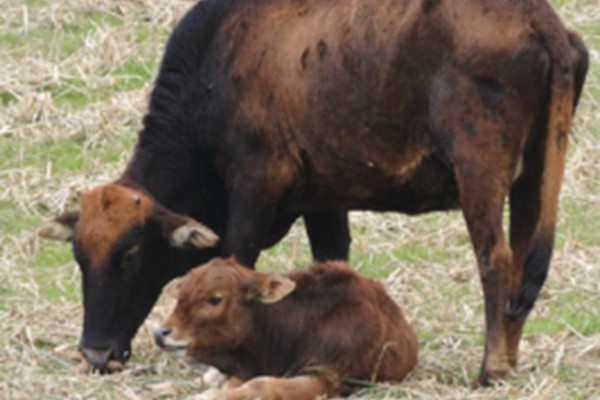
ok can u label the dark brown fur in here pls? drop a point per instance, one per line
(266, 110)
(335, 325)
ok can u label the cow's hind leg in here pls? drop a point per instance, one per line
(483, 113)
(329, 235)
(482, 199)
(308, 387)
(481, 133)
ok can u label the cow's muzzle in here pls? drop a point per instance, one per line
(105, 360)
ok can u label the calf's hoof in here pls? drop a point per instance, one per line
(212, 378)
(210, 394)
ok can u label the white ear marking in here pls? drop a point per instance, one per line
(54, 230)
(193, 234)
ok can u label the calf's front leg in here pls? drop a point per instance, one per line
(309, 387)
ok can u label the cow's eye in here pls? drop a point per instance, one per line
(130, 259)
(214, 300)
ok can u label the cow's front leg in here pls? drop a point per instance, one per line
(308, 387)
(329, 234)
(254, 200)
(249, 223)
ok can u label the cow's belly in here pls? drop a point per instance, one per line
(428, 186)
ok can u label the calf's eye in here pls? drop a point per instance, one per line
(214, 300)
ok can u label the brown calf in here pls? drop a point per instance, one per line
(298, 336)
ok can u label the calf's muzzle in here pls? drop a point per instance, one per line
(159, 335)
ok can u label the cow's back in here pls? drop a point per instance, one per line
(318, 84)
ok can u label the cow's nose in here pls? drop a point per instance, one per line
(97, 357)
(160, 333)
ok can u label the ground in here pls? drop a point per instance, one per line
(74, 81)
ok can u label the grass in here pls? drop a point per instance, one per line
(74, 81)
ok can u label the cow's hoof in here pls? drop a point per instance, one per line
(489, 379)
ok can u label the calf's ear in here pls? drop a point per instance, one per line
(270, 289)
(184, 232)
(61, 227)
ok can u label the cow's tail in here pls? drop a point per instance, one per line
(568, 67)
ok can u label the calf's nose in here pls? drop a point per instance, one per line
(160, 333)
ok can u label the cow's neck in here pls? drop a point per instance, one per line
(163, 170)
(175, 175)
(168, 156)
(171, 166)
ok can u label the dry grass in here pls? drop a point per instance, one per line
(74, 79)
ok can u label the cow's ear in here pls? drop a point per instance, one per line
(184, 232)
(270, 289)
(61, 227)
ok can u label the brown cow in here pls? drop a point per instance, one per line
(266, 110)
(290, 337)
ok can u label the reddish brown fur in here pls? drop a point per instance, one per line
(336, 325)
(106, 213)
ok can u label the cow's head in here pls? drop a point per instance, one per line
(124, 242)
(212, 311)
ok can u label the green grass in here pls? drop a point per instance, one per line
(581, 224)
(576, 310)
(54, 44)
(77, 93)
(58, 44)
(15, 220)
(7, 296)
(54, 264)
(65, 155)
(7, 98)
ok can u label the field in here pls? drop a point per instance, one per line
(74, 81)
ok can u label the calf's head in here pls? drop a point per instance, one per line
(124, 242)
(213, 307)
